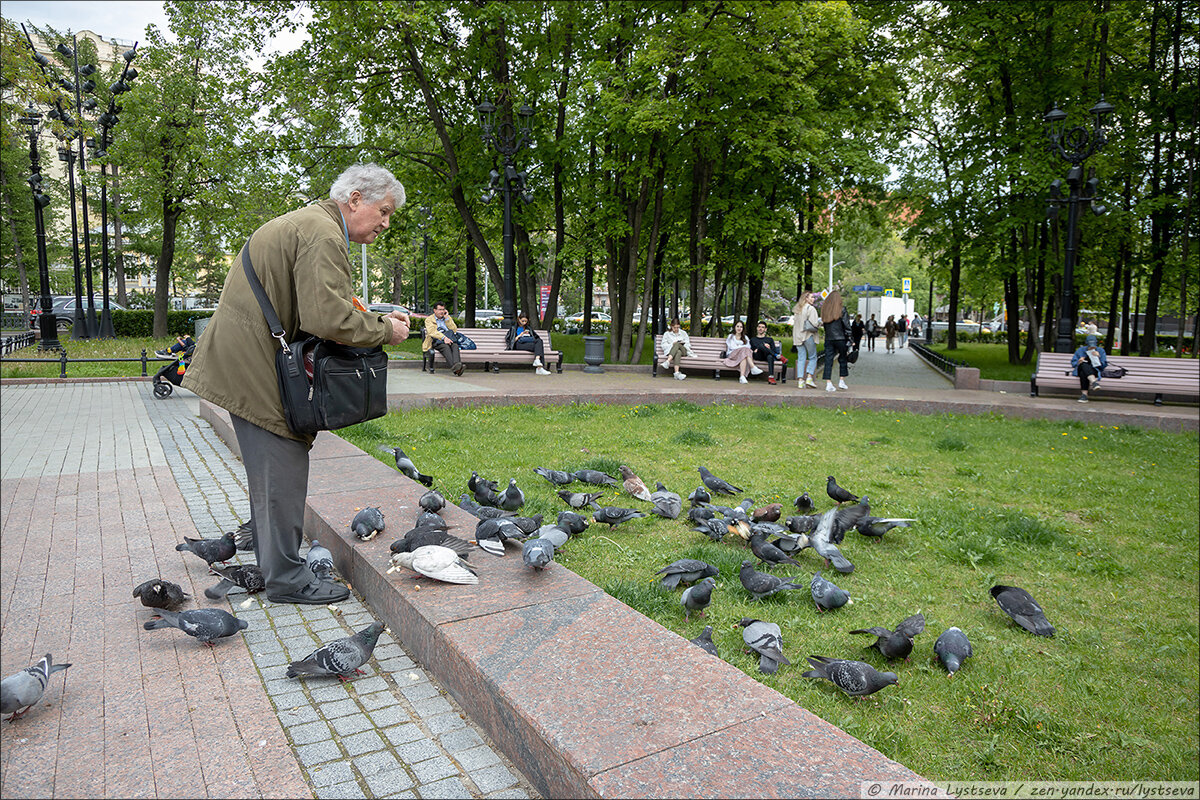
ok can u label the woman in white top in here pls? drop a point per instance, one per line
(676, 344)
(738, 354)
(805, 324)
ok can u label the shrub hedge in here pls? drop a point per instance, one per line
(139, 323)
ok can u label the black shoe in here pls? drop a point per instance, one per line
(458, 368)
(318, 594)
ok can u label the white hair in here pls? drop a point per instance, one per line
(372, 181)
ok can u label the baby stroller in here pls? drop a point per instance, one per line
(173, 371)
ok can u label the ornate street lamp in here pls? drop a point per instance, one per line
(423, 223)
(1075, 145)
(507, 139)
(47, 322)
(77, 88)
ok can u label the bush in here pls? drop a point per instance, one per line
(139, 324)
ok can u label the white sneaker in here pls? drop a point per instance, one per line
(809, 382)
(537, 362)
(755, 371)
(679, 376)
(842, 385)
(742, 379)
(540, 371)
(665, 364)
(829, 387)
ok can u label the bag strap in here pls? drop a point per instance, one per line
(261, 295)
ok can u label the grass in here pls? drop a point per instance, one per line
(1099, 523)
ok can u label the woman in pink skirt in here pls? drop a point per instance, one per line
(738, 354)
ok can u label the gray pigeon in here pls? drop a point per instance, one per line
(715, 484)
(580, 499)
(554, 534)
(244, 536)
(595, 477)
(855, 678)
(698, 514)
(685, 570)
(319, 560)
(716, 529)
(556, 476)
(666, 503)
(614, 516)
(803, 503)
(405, 465)
(21, 691)
(699, 496)
(367, 523)
(340, 657)
(537, 553)
(431, 519)
(485, 493)
(696, 598)
(572, 523)
(837, 493)
(826, 595)
(876, 527)
(952, 648)
(897, 643)
(491, 534)
(704, 642)
(769, 554)
(760, 584)
(205, 624)
(158, 593)
(792, 542)
(512, 498)
(246, 576)
(765, 639)
(482, 512)
(806, 523)
(831, 527)
(432, 501)
(211, 550)
(527, 525)
(1024, 610)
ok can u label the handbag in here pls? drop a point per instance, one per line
(324, 385)
(464, 342)
(809, 327)
(852, 356)
(1113, 371)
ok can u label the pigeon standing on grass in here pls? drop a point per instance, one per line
(769, 554)
(897, 643)
(826, 596)
(405, 465)
(205, 624)
(760, 584)
(837, 493)
(768, 513)
(855, 678)
(595, 477)
(158, 593)
(482, 512)
(319, 560)
(696, 598)
(666, 503)
(699, 496)
(803, 503)
(556, 477)
(704, 642)
(580, 499)
(572, 523)
(367, 523)
(512, 498)
(876, 527)
(436, 562)
(211, 550)
(340, 657)
(1020, 605)
(685, 570)
(245, 576)
(633, 484)
(613, 516)
(21, 691)
(952, 648)
(715, 484)
(765, 639)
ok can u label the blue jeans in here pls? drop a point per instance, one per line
(807, 358)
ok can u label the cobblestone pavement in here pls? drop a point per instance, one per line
(390, 733)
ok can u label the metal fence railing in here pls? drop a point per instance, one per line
(942, 363)
(16, 342)
(62, 361)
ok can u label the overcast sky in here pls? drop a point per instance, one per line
(126, 19)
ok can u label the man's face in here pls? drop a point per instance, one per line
(440, 312)
(762, 330)
(367, 220)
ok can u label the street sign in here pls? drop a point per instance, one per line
(859, 288)
(867, 287)
(890, 293)
(906, 285)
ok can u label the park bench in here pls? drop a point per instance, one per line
(1157, 376)
(491, 351)
(710, 353)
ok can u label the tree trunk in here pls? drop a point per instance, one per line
(172, 211)
(22, 278)
(702, 170)
(560, 225)
(469, 315)
(955, 276)
(118, 244)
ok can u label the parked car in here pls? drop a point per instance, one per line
(577, 318)
(63, 311)
(387, 308)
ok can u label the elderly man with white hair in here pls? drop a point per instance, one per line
(302, 260)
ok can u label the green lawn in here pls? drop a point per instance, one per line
(1099, 523)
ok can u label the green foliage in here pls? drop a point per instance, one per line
(140, 323)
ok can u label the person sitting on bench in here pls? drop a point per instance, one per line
(521, 337)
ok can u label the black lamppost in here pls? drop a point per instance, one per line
(507, 139)
(78, 87)
(47, 322)
(423, 224)
(79, 326)
(1073, 145)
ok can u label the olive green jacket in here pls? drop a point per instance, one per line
(302, 261)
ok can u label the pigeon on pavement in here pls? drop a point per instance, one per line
(556, 476)
(614, 516)
(855, 678)
(537, 553)
(685, 570)
(769, 554)
(760, 584)
(405, 465)
(421, 537)
(339, 657)
(952, 648)
(482, 512)
(696, 598)
(897, 643)
(572, 523)
(244, 536)
(319, 561)
(1024, 610)
(837, 493)
(205, 624)
(553, 533)
(699, 496)
(715, 484)
(367, 523)
(633, 484)
(803, 503)
(826, 595)
(245, 576)
(580, 499)
(512, 498)
(527, 525)
(21, 691)
(436, 562)
(765, 639)
(666, 503)
(491, 534)
(432, 501)
(595, 477)
(768, 513)
(158, 593)
(704, 642)
(211, 550)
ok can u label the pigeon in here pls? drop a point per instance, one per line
(876, 527)
(704, 642)
(1024, 610)
(244, 536)
(556, 476)
(482, 512)
(716, 484)
(634, 485)
(831, 528)
(699, 496)
(211, 550)
(339, 657)
(767, 529)
(572, 523)
(205, 624)
(897, 643)
(158, 593)
(855, 678)
(769, 554)
(319, 560)
(432, 501)
(731, 513)
(537, 553)
(952, 648)
(698, 514)
(685, 570)
(768, 513)
(246, 576)
(765, 639)
(554, 534)
(437, 562)
(491, 534)
(714, 529)
(420, 537)
(527, 525)
(580, 499)
(613, 516)
(367, 523)
(802, 524)
(512, 498)
(666, 503)
(760, 584)
(696, 598)
(21, 691)
(826, 595)
(803, 503)
(472, 481)
(485, 493)
(837, 493)
(791, 542)
(595, 477)
(405, 465)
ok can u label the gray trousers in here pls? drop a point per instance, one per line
(277, 474)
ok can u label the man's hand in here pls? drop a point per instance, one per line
(399, 322)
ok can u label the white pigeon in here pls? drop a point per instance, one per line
(437, 562)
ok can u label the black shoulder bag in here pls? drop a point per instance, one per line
(324, 385)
